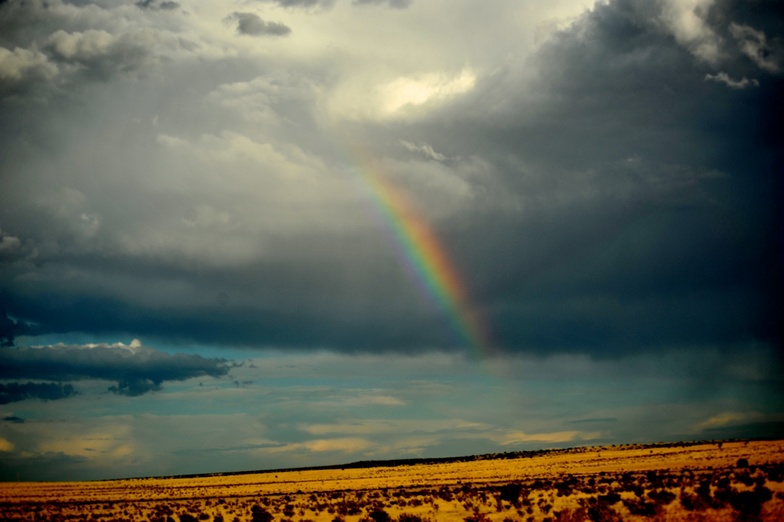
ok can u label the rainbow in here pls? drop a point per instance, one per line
(425, 258)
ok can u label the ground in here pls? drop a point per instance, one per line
(729, 481)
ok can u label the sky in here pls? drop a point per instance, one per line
(259, 234)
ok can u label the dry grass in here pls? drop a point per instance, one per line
(736, 481)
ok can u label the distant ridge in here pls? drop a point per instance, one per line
(363, 464)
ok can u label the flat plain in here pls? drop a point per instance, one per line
(727, 481)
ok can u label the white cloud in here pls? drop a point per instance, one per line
(410, 91)
(21, 67)
(10, 246)
(395, 427)
(353, 445)
(107, 443)
(343, 444)
(725, 78)
(754, 44)
(402, 97)
(555, 437)
(19, 64)
(424, 149)
(102, 53)
(730, 418)
(686, 20)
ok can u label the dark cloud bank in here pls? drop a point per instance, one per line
(252, 25)
(644, 169)
(14, 392)
(136, 369)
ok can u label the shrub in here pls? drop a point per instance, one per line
(748, 504)
(692, 502)
(661, 497)
(601, 512)
(379, 515)
(511, 493)
(610, 498)
(641, 508)
(259, 514)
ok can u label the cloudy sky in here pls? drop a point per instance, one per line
(271, 233)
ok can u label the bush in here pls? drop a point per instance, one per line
(601, 512)
(259, 514)
(748, 504)
(661, 497)
(610, 498)
(641, 508)
(511, 493)
(379, 515)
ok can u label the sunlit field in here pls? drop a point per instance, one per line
(706, 481)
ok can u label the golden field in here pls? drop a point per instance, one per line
(702, 482)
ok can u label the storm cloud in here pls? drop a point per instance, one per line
(14, 392)
(252, 25)
(590, 188)
(153, 4)
(137, 369)
(581, 215)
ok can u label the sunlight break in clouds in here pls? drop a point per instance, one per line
(372, 98)
(403, 92)
(338, 445)
(549, 438)
(5, 445)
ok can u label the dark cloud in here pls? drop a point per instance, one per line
(166, 5)
(13, 419)
(397, 4)
(45, 45)
(622, 195)
(135, 368)
(10, 328)
(15, 392)
(135, 387)
(251, 25)
(48, 466)
(303, 3)
(646, 227)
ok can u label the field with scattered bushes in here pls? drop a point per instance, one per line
(729, 481)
